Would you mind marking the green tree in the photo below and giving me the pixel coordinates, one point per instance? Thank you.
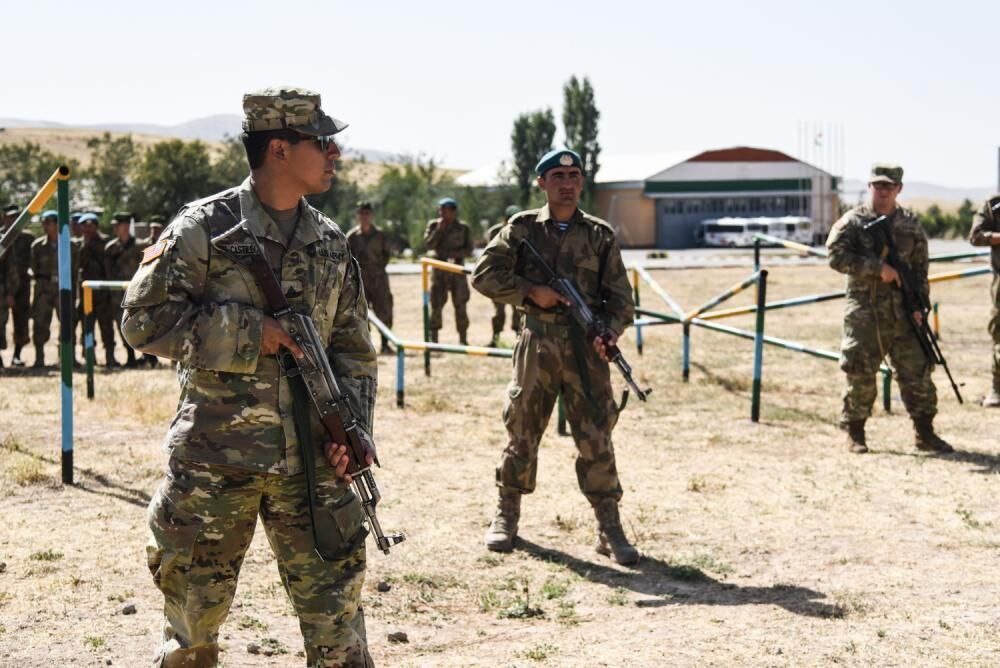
(580, 116)
(964, 219)
(341, 199)
(229, 167)
(530, 139)
(407, 196)
(112, 165)
(26, 166)
(170, 174)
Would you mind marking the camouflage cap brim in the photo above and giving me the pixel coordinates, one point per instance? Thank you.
(882, 178)
(317, 124)
(321, 126)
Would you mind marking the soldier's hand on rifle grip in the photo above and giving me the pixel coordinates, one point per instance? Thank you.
(545, 297)
(918, 317)
(602, 343)
(341, 461)
(273, 337)
(890, 275)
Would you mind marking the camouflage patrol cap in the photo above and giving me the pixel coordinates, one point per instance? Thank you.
(123, 217)
(286, 107)
(12, 209)
(883, 173)
(157, 218)
(560, 157)
(511, 210)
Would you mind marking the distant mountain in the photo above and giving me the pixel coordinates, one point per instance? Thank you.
(209, 128)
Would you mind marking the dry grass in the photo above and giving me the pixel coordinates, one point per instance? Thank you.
(765, 544)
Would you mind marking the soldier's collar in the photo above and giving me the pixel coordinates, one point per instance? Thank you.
(260, 223)
(545, 215)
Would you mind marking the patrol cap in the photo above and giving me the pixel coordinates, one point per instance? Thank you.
(884, 173)
(365, 205)
(123, 217)
(559, 157)
(157, 218)
(447, 202)
(12, 209)
(50, 213)
(511, 210)
(282, 107)
(88, 218)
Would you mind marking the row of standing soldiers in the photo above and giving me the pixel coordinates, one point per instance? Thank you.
(446, 238)
(93, 256)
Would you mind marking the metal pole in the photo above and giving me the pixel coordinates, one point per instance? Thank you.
(686, 352)
(758, 346)
(427, 316)
(635, 297)
(756, 254)
(887, 390)
(88, 336)
(66, 315)
(937, 321)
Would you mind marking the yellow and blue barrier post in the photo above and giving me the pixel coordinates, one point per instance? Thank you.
(67, 315)
(35, 206)
(635, 298)
(758, 345)
(426, 301)
(89, 341)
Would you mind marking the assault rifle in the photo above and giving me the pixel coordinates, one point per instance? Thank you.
(322, 388)
(591, 323)
(914, 301)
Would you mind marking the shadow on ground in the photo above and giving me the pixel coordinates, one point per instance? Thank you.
(670, 584)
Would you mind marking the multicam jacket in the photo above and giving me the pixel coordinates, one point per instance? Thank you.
(191, 303)
(986, 227)
(586, 252)
(853, 252)
(452, 243)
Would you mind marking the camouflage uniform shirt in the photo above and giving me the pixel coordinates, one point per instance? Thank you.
(191, 303)
(451, 244)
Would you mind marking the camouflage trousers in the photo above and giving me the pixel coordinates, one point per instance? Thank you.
(202, 520)
(21, 313)
(499, 316)
(546, 365)
(444, 283)
(994, 329)
(869, 331)
(44, 302)
(376, 284)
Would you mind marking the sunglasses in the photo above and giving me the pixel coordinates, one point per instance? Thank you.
(882, 185)
(324, 141)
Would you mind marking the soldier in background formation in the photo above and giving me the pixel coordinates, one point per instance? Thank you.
(447, 238)
(371, 248)
(8, 288)
(499, 308)
(986, 232)
(121, 260)
(93, 268)
(155, 228)
(20, 257)
(45, 272)
(553, 354)
(875, 325)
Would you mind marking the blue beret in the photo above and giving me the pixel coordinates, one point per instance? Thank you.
(89, 218)
(75, 216)
(448, 201)
(560, 157)
(51, 213)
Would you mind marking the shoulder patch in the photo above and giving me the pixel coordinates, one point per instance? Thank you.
(156, 250)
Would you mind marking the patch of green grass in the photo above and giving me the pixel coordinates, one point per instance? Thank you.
(95, 642)
(618, 597)
(46, 555)
(555, 588)
(490, 560)
(122, 597)
(539, 652)
(567, 524)
(970, 520)
(274, 645)
(566, 615)
(248, 622)
(5, 597)
(521, 607)
(697, 484)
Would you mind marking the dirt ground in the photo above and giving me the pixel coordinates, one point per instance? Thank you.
(765, 544)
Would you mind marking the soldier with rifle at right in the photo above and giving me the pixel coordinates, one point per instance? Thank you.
(884, 316)
(582, 280)
(986, 232)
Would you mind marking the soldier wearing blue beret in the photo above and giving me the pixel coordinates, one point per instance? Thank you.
(448, 238)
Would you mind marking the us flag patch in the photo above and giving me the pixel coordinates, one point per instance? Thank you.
(156, 250)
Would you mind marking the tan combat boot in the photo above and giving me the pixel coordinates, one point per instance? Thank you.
(992, 400)
(927, 440)
(503, 529)
(856, 441)
(611, 540)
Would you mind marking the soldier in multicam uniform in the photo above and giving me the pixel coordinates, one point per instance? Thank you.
(121, 260)
(986, 232)
(20, 256)
(372, 250)
(233, 446)
(552, 356)
(448, 239)
(45, 272)
(874, 322)
(499, 308)
(93, 268)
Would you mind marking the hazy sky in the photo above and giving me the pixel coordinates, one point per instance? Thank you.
(912, 82)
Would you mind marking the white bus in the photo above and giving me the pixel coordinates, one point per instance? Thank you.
(739, 232)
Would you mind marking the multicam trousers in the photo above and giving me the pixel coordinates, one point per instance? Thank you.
(443, 283)
(546, 364)
(202, 520)
(869, 331)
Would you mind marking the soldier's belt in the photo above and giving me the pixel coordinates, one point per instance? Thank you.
(543, 328)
